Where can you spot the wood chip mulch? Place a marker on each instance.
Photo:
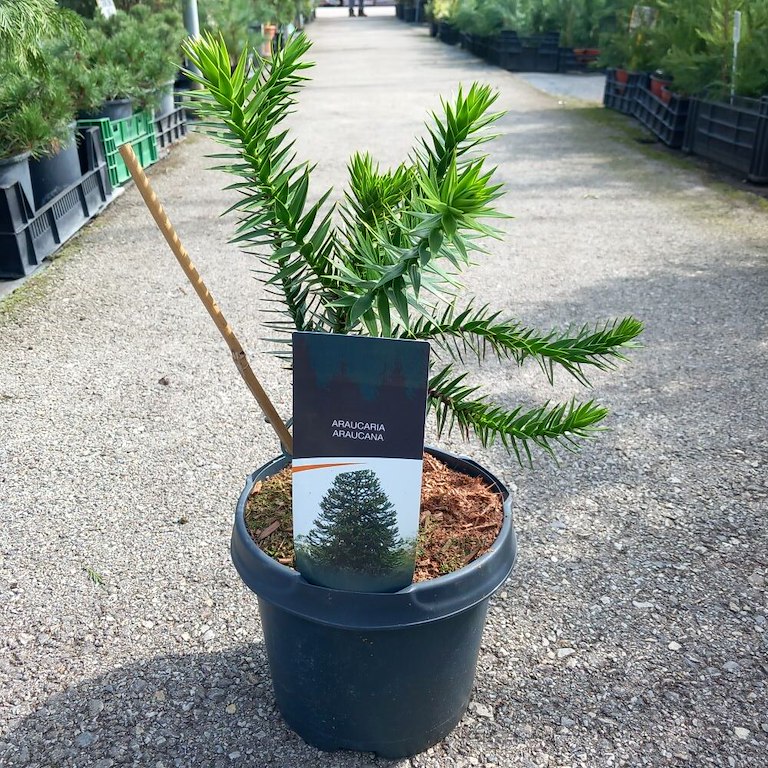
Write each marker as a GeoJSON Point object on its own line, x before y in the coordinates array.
{"type": "Point", "coordinates": [460, 519]}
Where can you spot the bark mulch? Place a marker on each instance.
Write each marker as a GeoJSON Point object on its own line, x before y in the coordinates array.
{"type": "Point", "coordinates": [460, 519]}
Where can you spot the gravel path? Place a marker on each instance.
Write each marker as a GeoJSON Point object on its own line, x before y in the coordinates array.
{"type": "Point", "coordinates": [632, 631]}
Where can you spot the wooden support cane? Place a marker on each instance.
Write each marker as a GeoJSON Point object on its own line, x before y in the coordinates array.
{"type": "Point", "coordinates": [238, 355]}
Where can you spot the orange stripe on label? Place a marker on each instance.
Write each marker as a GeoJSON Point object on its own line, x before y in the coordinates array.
{"type": "Point", "coordinates": [324, 466]}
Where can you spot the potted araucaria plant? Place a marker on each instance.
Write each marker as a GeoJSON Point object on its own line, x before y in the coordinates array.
{"type": "Point", "coordinates": [385, 672]}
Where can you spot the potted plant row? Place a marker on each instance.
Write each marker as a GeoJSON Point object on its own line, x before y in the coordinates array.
{"type": "Point", "coordinates": [694, 98]}
{"type": "Point", "coordinates": [129, 63]}
{"type": "Point", "coordinates": [36, 112]}
{"type": "Point", "coordinates": [46, 193]}
{"type": "Point", "coordinates": [520, 38]}
{"type": "Point", "coordinates": [55, 68]}
{"type": "Point", "coordinates": [389, 672]}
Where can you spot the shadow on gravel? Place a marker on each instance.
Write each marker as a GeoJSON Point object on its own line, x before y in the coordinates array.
{"type": "Point", "coordinates": [202, 709]}
{"type": "Point", "coordinates": [652, 542]}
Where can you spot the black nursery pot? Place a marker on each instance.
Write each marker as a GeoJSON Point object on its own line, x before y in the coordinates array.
{"type": "Point", "coordinates": [52, 174]}
{"type": "Point", "coordinates": [390, 673]}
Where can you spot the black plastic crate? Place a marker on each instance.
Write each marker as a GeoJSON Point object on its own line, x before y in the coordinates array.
{"type": "Point", "coordinates": [666, 119]}
{"type": "Point", "coordinates": [505, 44]}
{"type": "Point", "coordinates": [27, 237]}
{"type": "Point", "coordinates": [547, 61]}
{"type": "Point", "coordinates": [171, 128]}
{"type": "Point", "coordinates": [525, 54]}
{"type": "Point", "coordinates": [619, 95]}
{"type": "Point", "coordinates": [577, 59]}
{"type": "Point", "coordinates": [733, 133]}
{"type": "Point", "coordinates": [447, 33]}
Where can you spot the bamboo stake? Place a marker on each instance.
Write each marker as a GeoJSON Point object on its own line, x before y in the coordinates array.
{"type": "Point", "coordinates": [238, 355]}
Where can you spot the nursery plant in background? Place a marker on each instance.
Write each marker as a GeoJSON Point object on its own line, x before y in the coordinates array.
{"type": "Point", "coordinates": [632, 47]}
{"type": "Point", "coordinates": [97, 85]}
{"type": "Point", "coordinates": [36, 116]}
{"type": "Point", "coordinates": [385, 263]}
{"type": "Point", "coordinates": [237, 21]}
{"type": "Point", "coordinates": [696, 42]}
{"type": "Point", "coordinates": [143, 44]}
{"type": "Point", "coordinates": [36, 110]}
{"type": "Point", "coordinates": [25, 25]}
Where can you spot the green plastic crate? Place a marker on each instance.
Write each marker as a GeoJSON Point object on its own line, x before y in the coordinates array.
{"type": "Point", "coordinates": [124, 130]}
{"type": "Point", "coordinates": [138, 129]}
{"type": "Point", "coordinates": [145, 148]}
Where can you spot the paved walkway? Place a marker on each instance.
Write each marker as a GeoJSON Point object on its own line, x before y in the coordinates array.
{"type": "Point", "coordinates": [632, 631]}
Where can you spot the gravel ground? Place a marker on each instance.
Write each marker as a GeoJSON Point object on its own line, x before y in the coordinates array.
{"type": "Point", "coordinates": [632, 631]}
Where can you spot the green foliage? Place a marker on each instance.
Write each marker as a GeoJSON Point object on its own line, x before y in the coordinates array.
{"type": "Point", "coordinates": [144, 44]}
{"type": "Point", "coordinates": [26, 25]}
{"type": "Point", "coordinates": [442, 9]}
{"type": "Point", "coordinates": [152, 5]}
{"type": "Point", "coordinates": [283, 11]}
{"type": "Point", "coordinates": [85, 8]}
{"type": "Point", "coordinates": [36, 113]}
{"type": "Point", "coordinates": [697, 38]}
{"type": "Point", "coordinates": [237, 21]}
{"type": "Point", "coordinates": [87, 72]}
{"type": "Point", "coordinates": [692, 40]}
{"type": "Point", "coordinates": [391, 266]}
{"type": "Point", "coordinates": [484, 18]}
{"type": "Point", "coordinates": [131, 55]}
{"type": "Point", "coordinates": [633, 44]}
{"type": "Point", "coordinates": [580, 22]}
{"type": "Point", "coordinates": [35, 108]}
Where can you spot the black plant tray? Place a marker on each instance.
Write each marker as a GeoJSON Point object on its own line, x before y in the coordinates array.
{"type": "Point", "coordinates": [447, 33]}
{"type": "Point", "coordinates": [171, 128]}
{"type": "Point", "coordinates": [622, 96]}
{"type": "Point", "coordinates": [577, 59]}
{"type": "Point", "coordinates": [666, 120]}
{"type": "Point", "coordinates": [538, 53]}
{"type": "Point", "coordinates": [27, 237]}
{"type": "Point", "coordinates": [733, 133]}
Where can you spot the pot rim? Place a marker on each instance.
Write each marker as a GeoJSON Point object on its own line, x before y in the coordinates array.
{"type": "Point", "coordinates": [419, 603]}
{"type": "Point", "coordinates": [14, 159]}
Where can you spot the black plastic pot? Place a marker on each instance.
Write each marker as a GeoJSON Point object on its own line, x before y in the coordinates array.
{"type": "Point", "coordinates": [51, 174]}
{"type": "Point", "coordinates": [114, 109]}
{"type": "Point", "coordinates": [390, 673]}
{"type": "Point", "coordinates": [166, 103]}
{"type": "Point", "coordinates": [447, 32]}
{"type": "Point", "coordinates": [28, 236]}
{"type": "Point", "coordinates": [16, 169]}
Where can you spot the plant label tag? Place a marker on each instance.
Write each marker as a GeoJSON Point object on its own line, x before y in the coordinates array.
{"type": "Point", "coordinates": [359, 406]}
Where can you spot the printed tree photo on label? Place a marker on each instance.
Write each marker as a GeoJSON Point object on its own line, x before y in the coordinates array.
{"type": "Point", "coordinates": [356, 533]}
